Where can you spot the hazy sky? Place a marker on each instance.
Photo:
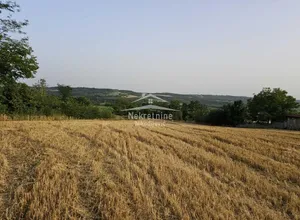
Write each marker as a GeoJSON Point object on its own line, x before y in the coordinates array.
{"type": "Point", "coordinates": [206, 47]}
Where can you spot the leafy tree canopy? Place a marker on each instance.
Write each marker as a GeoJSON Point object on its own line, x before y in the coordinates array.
{"type": "Point", "coordinates": [274, 103]}
{"type": "Point", "coordinates": [16, 56]}
{"type": "Point", "coordinates": [64, 91]}
{"type": "Point", "coordinates": [235, 113]}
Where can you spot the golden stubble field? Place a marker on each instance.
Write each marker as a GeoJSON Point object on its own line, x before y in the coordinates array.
{"type": "Point", "coordinates": [116, 170]}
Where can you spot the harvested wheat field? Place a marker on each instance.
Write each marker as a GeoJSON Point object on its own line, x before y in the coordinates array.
{"type": "Point", "coordinates": [116, 170]}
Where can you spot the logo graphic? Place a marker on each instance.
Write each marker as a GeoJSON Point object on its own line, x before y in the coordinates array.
{"type": "Point", "coordinates": [150, 111]}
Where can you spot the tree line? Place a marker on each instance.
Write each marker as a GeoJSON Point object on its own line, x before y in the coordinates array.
{"type": "Point", "coordinates": [19, 99]}
{"type": "Point", "coordinates": [267, 106]}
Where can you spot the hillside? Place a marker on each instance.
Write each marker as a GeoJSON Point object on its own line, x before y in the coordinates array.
{"type": "Point", "coordinates": [117, 170]}
{"type": "Point", "coordinates": [108, 95]}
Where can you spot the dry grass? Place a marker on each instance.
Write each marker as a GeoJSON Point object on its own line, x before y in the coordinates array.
{"type": "Point", "coordinates": [116, 170]}
{"type": "Point", "coordinates": [33, 117]}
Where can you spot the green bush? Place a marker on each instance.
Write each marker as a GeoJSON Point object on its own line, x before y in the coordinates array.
{"type": "Point", "coordinates": [76, 110]}
{"type": "Point", "coordinates": [2, 109]}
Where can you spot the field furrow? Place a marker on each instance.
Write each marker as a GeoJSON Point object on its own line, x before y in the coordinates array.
{"type": "Point", "coordinates": [120, 170]}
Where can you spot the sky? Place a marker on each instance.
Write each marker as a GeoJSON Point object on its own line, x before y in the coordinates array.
{"type": "Point", "coordinates": [230, 47]}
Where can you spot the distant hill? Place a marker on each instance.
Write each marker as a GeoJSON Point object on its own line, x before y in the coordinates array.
{"type": "Point", "coordinates": [101, 96]}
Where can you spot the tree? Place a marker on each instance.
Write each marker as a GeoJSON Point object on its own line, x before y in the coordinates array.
{"type": "Point", "coordinates": [231, 114]}
{"type": "Point", "coordinates": [16, 61]}
{"type": "Point", "coordinates": [235, 113]}
{"type": "Point", "coordinates": [3, 107]}
{"type": "Point", "coordinates": [197, 111]}
{"type": "Point", "coordinates": [185, 112]}
{"type": "Point", "coordinates": [41, 87]}
{"type": "Point", "coordinates": [122, 103]}
{"type": "Point", "coordinates": [45, 104]}
{"type": "Point", "coordinates": [201, 113]}
{"type": "Point", "coordinates": [271, 104]}
{"type": "Point", "coordinates": [65, 91]}
{"type": "Point", "coordinates": [216, 117]}
{"type": "Point", "coordinates": [82, 100]}
{"type": "Point", "coordinates": [175, 104]}
{"type": "Point", "coordinates": [16, 56]}
{"type": "Point", "coordinates": [18, 98]}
